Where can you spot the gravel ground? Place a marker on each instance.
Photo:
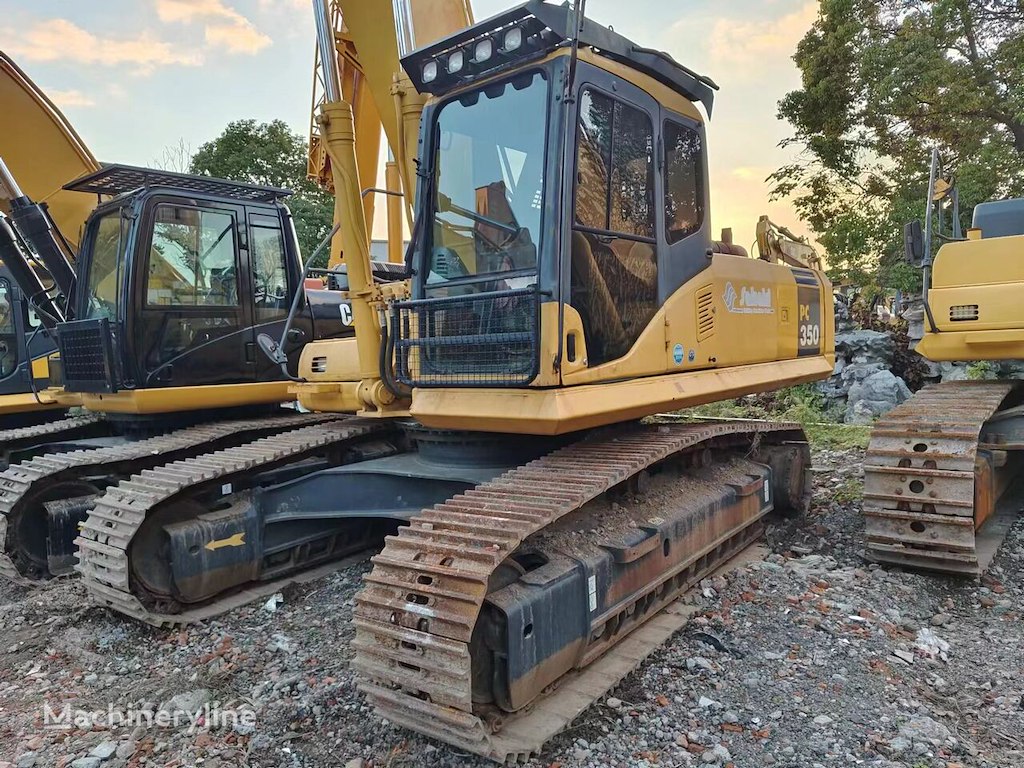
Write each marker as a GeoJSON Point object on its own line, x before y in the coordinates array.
{"type": "Point", "coordinates": [809, 658]}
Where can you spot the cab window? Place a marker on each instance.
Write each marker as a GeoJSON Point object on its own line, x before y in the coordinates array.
{"type": "Point", "coordinates": [270, 273]}
{"type": "Point", "coordinates": [8, 333]}
{"type": "Point", "coordinates": [192, 261]}
{"type": "Point", "coordinates": [684, 182]}
{"type": "Point", "coordinates": [614, 278]}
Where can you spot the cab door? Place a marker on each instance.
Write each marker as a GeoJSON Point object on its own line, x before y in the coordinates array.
{"type": "Point", "coordinates": [275, 272]}
{"type": "Point", "coordinates": [195, 325]}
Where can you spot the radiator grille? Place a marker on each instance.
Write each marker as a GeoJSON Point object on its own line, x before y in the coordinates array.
{"type": "Point", "coordinates": [488, 339]}
{"type": "Point", "coordinates": [705, 313]}
{"type": "Point", "coordinates": [86, 354]}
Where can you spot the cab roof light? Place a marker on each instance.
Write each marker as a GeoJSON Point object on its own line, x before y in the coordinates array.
{"type": "Point", "coordinates": [430, 70]}
{"type": "Point", "coordinates": [533, 29]}
{"type": "Point", "coordinates": [512, 40]}
{"type": "Point", "coordinates": [456, 61]}
{"type": "Point", "coordinates": [483, 51]}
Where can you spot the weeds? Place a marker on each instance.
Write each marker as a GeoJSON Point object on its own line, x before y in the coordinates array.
{"type": "Point", "coordinates": [851, 489]}
{"type": "Point", "coordinates": [803, 404]}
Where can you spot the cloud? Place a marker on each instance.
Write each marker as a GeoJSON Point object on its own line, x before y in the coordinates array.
{"type": "Point", "coordinates": [743, 47]}
{"type": "Point", "coordinates": [224, 27]}
{"type": "Point", "coordinates": [748, 173]}
{"type": "Point", "coordinates": [62, 40]}
{"type": "Point", "coordinates": [236, 38]}
{"type": "Point", "coordinates": [69, 98]}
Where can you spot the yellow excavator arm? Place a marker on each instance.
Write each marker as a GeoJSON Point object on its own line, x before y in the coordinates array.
{"type": "Point", "coordinates": [42, 150]}
{"type": "Point", "coordinates": [364, 42]}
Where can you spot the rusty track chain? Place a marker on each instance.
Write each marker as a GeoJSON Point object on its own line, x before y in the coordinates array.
{"type": "Point", "coordinates": [117, 516]}
{"type": "Point", "coordinates": [919, 477]}
{"type": "Point", "coordinates": [21, 479]}
{"type": "Point", "coordinates": [415, 659]}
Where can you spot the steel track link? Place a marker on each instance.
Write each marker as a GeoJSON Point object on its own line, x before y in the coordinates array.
{"type": "Point", "coordinates": [17, 481]}
{"type": "Point", "coordinates": [109, 529]}
{"type": "Point", "coordinates": [919, 477]}
{"type": "Point", "coordinates": [49, 429]}
{"type": "Point", "coordinates": [429, 689]}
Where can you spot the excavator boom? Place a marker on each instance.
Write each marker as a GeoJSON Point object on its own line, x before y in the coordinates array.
{"type": "Point", "coordinates": [43, 150]}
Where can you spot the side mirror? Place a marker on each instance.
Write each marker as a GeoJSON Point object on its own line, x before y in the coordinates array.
{"type": "Point", "coordinates": [913, 243]}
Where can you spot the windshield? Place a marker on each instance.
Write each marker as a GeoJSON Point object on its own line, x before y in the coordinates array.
{"type": "Point", "coordinates": [103, 283]}
{"type": "Point", "coordinates": [489, 183]}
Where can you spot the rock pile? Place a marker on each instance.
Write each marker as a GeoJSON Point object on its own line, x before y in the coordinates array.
{"type": "Point", "coordinates": [863, 384]}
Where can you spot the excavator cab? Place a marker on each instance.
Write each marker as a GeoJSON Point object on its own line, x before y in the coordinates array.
{"type": "Point", "coordinates": [178, 274]}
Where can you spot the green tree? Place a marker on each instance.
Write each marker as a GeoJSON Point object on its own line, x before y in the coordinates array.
{"type": "Point", "coordinates": [269, 153]}
{"type": "Point", "coordinates": [883, 82]}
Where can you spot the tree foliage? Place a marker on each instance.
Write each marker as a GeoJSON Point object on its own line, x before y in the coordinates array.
{"type": "Point", "coordinates": [883, 82]}
{"type": "Point", "coordinates": [269, 153]}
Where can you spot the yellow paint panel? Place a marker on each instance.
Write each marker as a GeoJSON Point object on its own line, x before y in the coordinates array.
{"type": "Point", "coordinates": [42, 150]}
{"type": "Point", "coordinates": [995, 261]}
{"type": "Point", "coordinates": [25, 403]}
{"type": "Point", "coordinates": [179, 399]}
{"type": "Point", "coordinates": [564, 410]}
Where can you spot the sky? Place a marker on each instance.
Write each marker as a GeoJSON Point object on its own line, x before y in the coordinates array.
{"type": "Point", "coordinates": [141, 79]}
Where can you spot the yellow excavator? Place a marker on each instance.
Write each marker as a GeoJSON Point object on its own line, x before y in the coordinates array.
{"type": "Point", "coordinates": [43, 152]}
{"type": "Point", "coordinates": [942, 474]}
{"type": "Point", "coordinates": [561, 284]}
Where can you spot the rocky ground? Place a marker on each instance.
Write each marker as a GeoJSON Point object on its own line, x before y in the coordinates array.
{"type": "Point", "coordinates": [809, 658]}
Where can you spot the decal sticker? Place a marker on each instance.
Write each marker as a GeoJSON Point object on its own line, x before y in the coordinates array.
{"type": "Point", "coordinates": [693, 355]}
{"type": "Point", "coordinates": [592, 592]}
{"type": "Point", "coordinates": [677, 354]}
{"type": "Point", "coordinates": [346, 314]}
{"type": "Point", "coordinates": [748, 301]}
{"type": "Point", "coordinates": [808, 332]}
{"type": "Point", "coordinates": [238, 540]}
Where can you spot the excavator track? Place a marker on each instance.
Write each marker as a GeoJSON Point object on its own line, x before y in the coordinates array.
{"type": "Point", "coordinates": [415, 654]}
{"type": "Point", "coordinates": [19, 438]}
{"type": "Point", "coordinates": [20, 481]}
{"type": "Point", "coordinates": [108, 531]}
{"type": "Point", "coordinates": [927, 487]}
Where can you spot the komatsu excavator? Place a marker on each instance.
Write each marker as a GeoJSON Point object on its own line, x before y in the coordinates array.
{"type": "Point", "coordinates": [943, 470]}
{"type": "Point", "coordinates": [561, 284]}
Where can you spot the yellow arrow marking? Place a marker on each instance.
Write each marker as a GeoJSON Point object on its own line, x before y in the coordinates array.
{"type": "Point", "coordinates": [238, 540]}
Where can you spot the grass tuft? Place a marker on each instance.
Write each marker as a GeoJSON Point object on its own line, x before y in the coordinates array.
{"type": "Point", "coordinates": [802, 404]}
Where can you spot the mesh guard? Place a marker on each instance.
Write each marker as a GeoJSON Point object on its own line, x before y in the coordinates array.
{"type": "Point", "coordinates": [87, 356]}
{"type": "Point", "coordinates": [480, 340]}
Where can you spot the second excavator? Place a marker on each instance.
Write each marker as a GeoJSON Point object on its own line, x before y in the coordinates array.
{"type": "Point", "coordinates": [561, 284]}
{"type": "Point", "coordinates": [175, 277]}
{"type": "Point", "coordinates": [942, 474]}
